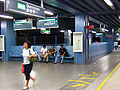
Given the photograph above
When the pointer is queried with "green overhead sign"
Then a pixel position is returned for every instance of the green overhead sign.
(118, 29)
(21, 6)
(22, 24)
(47, 23)
(44, 31)
(21, 21)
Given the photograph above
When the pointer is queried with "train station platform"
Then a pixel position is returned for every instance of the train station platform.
(65, 76)
(113, 82)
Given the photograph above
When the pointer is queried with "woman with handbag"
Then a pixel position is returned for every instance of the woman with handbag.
(27, 55)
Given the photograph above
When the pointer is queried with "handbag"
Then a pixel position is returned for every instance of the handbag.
(32, 59)
(22, 68)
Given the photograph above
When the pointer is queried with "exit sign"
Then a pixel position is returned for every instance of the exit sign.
(90, 27)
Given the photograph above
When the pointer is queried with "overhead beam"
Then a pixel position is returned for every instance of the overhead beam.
(95, 20)
(61, 5)
(102, 4)
(104, 13)
(93, 4)
(81, 4)
(109, 17)
(101, 19)
(74, 6)
(106, 19)
(116, 3)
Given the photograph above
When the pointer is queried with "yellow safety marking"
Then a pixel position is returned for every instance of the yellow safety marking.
(87, 78)
(79, 81)
(78, 85)
(87, 75)
(101, 85)
(95, 73)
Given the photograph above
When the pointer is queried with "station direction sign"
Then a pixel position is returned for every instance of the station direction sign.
(19, 6)
(47, 23)
(22, 24)
(99, 34)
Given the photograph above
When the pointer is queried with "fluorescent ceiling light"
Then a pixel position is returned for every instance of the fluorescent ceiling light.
(5, 16)
(69, 31)
(119, 17)
(61, 30)
(93, 31)
(2, 0)
(48, 12)
(117, 34)
(106, 30)
(108, 2)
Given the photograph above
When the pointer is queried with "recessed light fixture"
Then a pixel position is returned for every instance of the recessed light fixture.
(5, 16)
(48, 12)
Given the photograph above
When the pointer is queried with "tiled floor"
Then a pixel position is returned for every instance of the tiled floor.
(113, 83)
(51, 76)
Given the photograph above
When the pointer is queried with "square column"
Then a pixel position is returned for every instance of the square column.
(10, 37)
(80, 22)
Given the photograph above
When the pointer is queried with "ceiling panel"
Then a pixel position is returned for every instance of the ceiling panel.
(94, 8)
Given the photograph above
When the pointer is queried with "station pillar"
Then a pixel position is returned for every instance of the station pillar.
(67, 37)
(80, 22)
(10, 37)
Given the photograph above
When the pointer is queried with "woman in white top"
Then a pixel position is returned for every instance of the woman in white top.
(27, 54)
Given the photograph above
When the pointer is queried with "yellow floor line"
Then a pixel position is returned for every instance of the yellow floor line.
(95, 73)
(79, 81)
(87, 75)
(78, 85)
(101, 85)
(87, 78)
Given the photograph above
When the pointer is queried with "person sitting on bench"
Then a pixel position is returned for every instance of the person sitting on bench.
(51, 52)
(43, 54)
(61, 54)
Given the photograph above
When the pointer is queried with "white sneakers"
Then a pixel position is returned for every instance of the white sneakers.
(25, 88)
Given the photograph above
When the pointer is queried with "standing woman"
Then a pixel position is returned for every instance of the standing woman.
(27, 54)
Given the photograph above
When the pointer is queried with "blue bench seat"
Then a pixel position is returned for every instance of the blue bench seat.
(16, 52)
